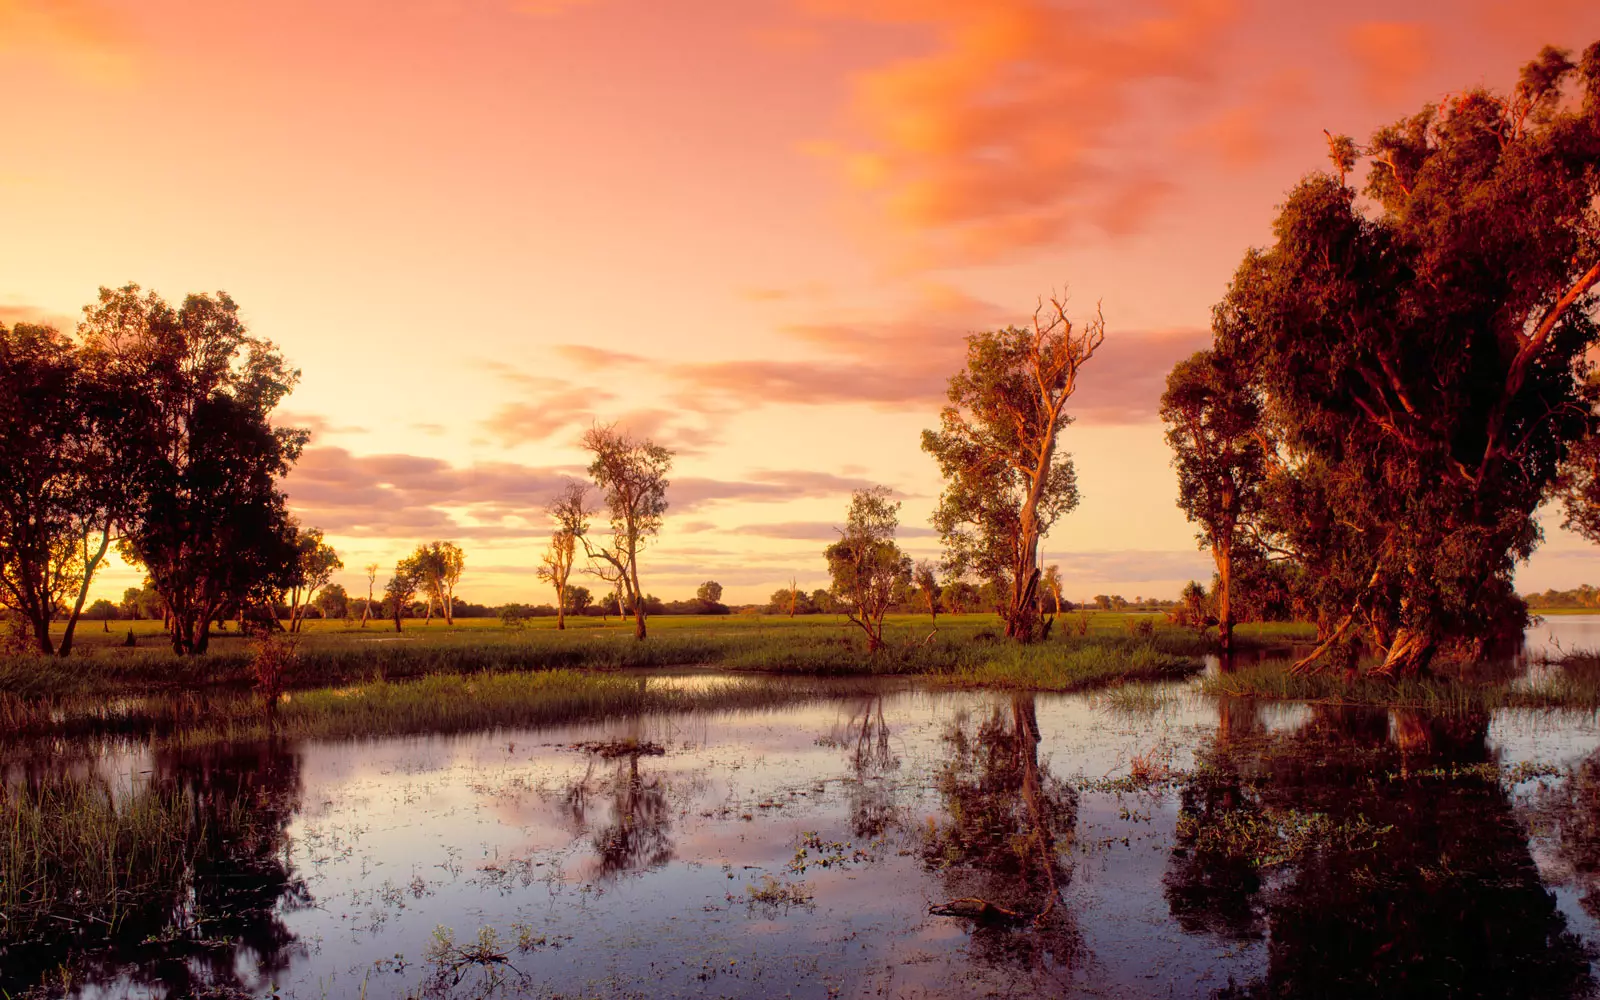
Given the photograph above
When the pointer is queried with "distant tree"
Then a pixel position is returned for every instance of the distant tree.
(130, 604)
(398, 593)
(570, 512)
(102, 611)
(315, 564)
(1419, 353)
(865, 563)
(823, 601)
(1052, 585)
(1214, 426)
(632, 476)
(926, 577)
(578, 599)
(437, 568)
(1102, 601)
(332, 601)
(710, 592)
(1005, 482)
(191, 393)
(372, 580)
(794, 596)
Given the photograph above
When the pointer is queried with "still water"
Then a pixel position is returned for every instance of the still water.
(1290, 851)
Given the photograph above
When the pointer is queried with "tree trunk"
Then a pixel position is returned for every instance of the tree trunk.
(1409, 654)
(1223, 552)
(89, 566)
(561, 608)
(638, 597)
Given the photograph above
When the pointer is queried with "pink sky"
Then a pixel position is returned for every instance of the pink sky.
(754, 229)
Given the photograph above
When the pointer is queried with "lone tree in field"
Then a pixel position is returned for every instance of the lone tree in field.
(399, 592)
(632, 476)
(1213, 416)
(437, 567)
(865, 563)
(571, 517)
(1006, 484)
(372, 580)
(1052, 584)
(1420, 355)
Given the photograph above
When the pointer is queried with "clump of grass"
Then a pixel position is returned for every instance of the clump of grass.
(774, 892)
(1136, 699)
(1050, 667)
(73, 857)
(1274, 836)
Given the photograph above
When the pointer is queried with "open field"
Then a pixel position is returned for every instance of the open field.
(965, 649)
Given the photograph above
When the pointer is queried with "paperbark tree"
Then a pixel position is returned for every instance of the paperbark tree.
(1052, 584)
(193, 395)
(865, 563)
(1419, 354)
(315, 564)
(437, 567)
(398, 593)
(926, 577)
(1213, 417)
(632, 477)
(1006, 483)
(372, 580)
(570, 512)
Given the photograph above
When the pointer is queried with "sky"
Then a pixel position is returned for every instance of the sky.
(756, 231)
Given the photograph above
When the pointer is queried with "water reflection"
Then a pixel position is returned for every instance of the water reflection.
(1416, 878)
(213, 919)
(1007, 825)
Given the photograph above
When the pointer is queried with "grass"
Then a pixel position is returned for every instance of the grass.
(1574, 683)
(331, 653)
(72, 856)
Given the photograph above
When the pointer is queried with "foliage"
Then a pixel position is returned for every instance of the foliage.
(192, 393)
(437, 567)
(398, 592)
(315, 564)
(1420, 359)
(1005, 483)
(632, 476)
(865, 563)
(1213, 417)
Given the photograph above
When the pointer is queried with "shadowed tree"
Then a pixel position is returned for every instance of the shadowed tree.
(398, 593)
(190, 393)
(1052, 585)
(709, 592)
(332, 601)
(1420, 352)
(865, 563)
(1213, 418)
(571, 516)
(315, 564)
(632, 476)
(1005, 483)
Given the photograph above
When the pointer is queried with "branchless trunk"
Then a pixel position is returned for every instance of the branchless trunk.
(90, 564)
(1223, 553)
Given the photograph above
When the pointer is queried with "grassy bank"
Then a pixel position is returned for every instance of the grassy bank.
(968, 648)
(1571, 684)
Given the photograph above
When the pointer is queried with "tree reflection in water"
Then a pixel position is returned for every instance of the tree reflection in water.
(871, 793)
(1444, 901)
(634, 832)
(1006, 825)
(217, 925)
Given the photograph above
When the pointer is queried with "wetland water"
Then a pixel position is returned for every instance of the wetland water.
(1296, 850)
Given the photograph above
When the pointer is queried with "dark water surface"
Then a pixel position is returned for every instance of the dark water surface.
(1295, 851)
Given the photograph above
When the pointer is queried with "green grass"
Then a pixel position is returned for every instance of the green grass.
(72, 855)
(1572, 684)
(969, 647)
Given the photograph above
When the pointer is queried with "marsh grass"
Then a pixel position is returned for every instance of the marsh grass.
(340, 656)
(1104, 660)
(1572, 684)
(77, 861)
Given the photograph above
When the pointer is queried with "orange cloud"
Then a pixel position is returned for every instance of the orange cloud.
(80, 35)
(1391, 57)
(1011, 133)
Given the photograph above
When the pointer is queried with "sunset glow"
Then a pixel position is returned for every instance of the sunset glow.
(754, 231)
